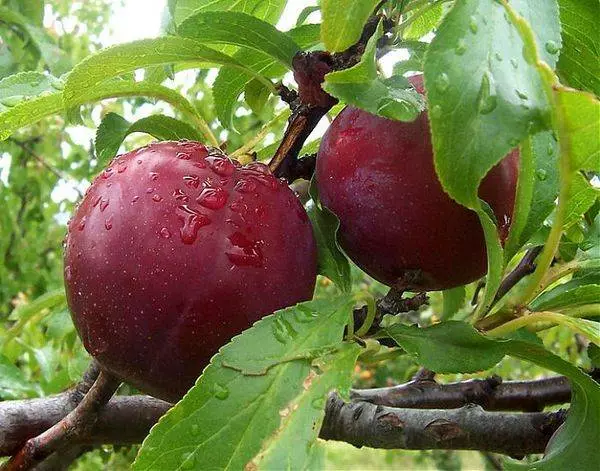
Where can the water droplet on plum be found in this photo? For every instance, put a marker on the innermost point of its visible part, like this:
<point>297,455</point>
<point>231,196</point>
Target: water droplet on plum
<point>212,198</point>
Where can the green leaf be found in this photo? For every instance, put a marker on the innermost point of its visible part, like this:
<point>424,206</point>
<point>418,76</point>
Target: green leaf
<point>579,63</point>
<point>292,446</point>
<point>581,116</point>
<point>332,261</point>
<point>343,22</point>
<point>267,10</point>
<point>222,422</point>
<point>256,95</point>
<point>239,29</point>
<point>30,111</point>
<point>449,347</point>
<point>537,189</point>
<point>26,85</point>
<point>483,95</point>
<point>362,87</point>
<point>454,299</point>
<point>118,60</point>
<point>23,313</point>
<point>54,57</point>
<point>593,352</point>
<point>582,195</point>
<point>579,290</point>
<point>230,82</point>
<point>425,22</point>
<point>12,382</point>
<point>305,13</point>
<point>114,129</point>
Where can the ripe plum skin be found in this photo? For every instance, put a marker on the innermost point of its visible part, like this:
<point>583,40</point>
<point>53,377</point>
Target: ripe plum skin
<point>396,221</point>
<point>174,250</point>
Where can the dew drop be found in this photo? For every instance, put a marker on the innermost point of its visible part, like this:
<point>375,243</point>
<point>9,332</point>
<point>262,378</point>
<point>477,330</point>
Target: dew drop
<point>192,221</point>
<point>157,198</point>
<point>12,100</point>
<point>180,196</point>
<point>57,84</point>
<point>244,252</point>
<point>103,204</point>
<point>192,181</point>
<point>550,149</point>
<point>149,190</point>
<point>81,225</point>
<point>108,223</point>
<point>96,201</point>
<point>318,403</point>
<point>107,173</point>
<point>153,176</point>
<point>164,233</point>
<point>221,165</point>
<point>283,330</point>
<point>514,63</point>
<point>541,174</point>
<point>245,186</point>
<point>139,161</point>
<point>305,314</point>
<point>436,111</point>
<point>212,198</point>
<point>461,47</point>
<point>498,57</point>
<point>134,199</point>
<point>551,47</point>
<point>195,429</point>
<point>121,167</point>
<point>442,82</point>
<point>521,95</point>
<point>68,274</point>
<point>473,25</point>
<point>183,155</point>
<point>187,461</point>
<point>487,99</point>
<point>220,392</point>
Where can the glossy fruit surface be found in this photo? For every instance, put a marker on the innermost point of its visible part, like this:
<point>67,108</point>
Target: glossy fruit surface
<point>397,223</point>
<point>174,250</point>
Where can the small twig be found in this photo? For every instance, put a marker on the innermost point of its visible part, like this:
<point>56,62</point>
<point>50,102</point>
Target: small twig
<point>424,375</point>
<point>76,424</point>
<point>525,267</point>
<point>311,102</point>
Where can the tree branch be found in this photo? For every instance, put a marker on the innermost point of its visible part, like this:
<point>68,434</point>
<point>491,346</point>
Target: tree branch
<point>525,267</point>
<point>127,420</point>
<point>491,394</point>
<point>76,424</point>
<point>467,428</point>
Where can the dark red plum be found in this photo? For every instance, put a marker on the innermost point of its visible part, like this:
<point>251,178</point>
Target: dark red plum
<point>174,250</point>
<point>397,222</point>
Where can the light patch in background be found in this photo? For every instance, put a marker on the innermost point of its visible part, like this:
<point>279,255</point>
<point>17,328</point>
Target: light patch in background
<point>135,19</point>
<point>5,162</point>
